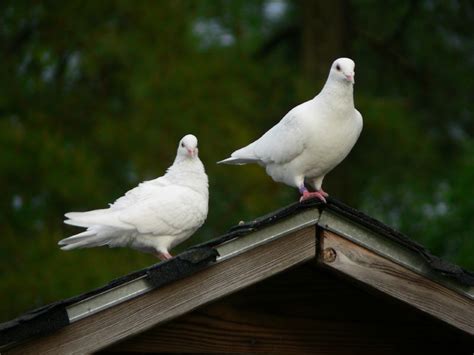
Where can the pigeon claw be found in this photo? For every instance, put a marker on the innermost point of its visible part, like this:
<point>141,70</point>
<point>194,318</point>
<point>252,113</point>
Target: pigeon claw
<point>324,193</point>
<point>317,194</point>
<point>164,256</point>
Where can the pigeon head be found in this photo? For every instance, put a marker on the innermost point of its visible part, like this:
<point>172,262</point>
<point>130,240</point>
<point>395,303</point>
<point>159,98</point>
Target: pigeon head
<point>188,146</point>
<point>343,70</point>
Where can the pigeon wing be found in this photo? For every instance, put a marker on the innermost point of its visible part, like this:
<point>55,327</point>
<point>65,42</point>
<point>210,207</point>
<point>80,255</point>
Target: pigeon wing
<point>170,211</point>
<point>144,189</point>
<point>280,145</point>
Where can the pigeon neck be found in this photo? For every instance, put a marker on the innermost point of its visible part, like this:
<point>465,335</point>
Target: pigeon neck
<point>185,162</point>
<point>342,92</point>
<point>187,171</point>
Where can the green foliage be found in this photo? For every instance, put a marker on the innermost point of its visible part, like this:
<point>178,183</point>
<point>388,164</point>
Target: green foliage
<point>96,95</point>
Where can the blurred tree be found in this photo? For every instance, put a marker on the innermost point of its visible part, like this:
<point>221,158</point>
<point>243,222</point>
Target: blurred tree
<point>96,95</point>
<point>325,33</point>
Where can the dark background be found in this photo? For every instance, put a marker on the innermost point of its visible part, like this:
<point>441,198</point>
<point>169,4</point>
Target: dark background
<point>94,97</point>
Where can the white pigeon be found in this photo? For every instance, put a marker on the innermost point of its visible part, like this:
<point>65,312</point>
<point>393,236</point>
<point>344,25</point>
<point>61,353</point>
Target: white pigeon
<point>153,217</point>
<point>312,138</point>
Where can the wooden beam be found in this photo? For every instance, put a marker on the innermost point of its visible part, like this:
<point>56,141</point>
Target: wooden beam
<point>137,315</point>
<point>395,280</point>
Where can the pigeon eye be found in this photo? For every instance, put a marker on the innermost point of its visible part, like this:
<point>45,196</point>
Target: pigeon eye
<point>338,67</point>
<point>182,144</point>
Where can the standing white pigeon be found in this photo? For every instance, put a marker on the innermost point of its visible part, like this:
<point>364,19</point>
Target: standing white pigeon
<point>154,216</point>
<point>312,138</point>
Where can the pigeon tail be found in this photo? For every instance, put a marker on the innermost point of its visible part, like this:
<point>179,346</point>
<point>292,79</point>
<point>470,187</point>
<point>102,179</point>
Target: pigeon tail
<point>85,239</point>
<point>87,243</point>
<point>92,237</point>
<point>77,237</point>
<point>238,161</point>
<point>106,217</point>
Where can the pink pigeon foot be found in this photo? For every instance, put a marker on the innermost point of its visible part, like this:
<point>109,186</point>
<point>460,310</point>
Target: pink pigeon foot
<point>164,256</point>
<point>318,194</point>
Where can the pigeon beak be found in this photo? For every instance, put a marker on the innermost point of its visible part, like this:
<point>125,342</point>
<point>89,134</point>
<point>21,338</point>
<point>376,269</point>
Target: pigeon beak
<point>192,152</point>
<point>350,77</point>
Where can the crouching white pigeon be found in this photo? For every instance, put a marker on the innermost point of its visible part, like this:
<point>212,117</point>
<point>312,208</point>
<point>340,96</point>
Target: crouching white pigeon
<point>154,216</point>
<point>312,138</point>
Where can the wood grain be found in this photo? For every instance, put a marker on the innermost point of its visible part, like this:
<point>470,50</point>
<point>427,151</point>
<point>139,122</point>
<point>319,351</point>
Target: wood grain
<point>139,314</point>
<point>306,309</point>
<point>398,282</point>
